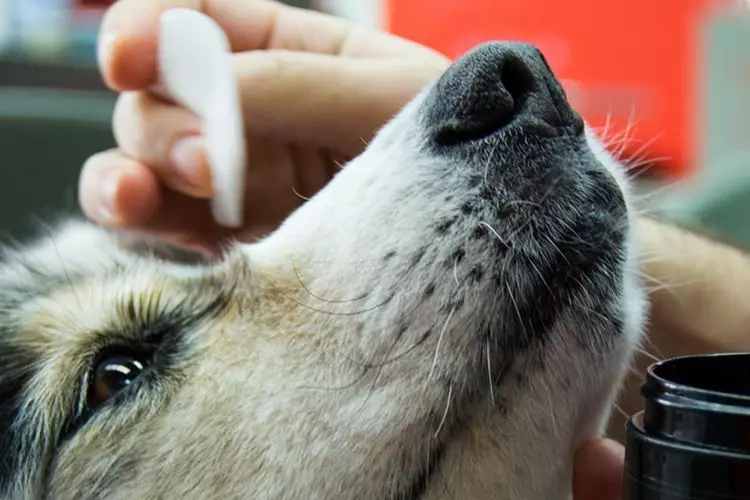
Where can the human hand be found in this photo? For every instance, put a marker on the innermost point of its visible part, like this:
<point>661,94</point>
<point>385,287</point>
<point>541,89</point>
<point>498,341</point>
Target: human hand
<point>597,471</point>
<point>313,89</point>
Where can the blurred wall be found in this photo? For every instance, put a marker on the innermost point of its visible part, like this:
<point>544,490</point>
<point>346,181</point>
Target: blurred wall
<point>52,117</point>
<point>54,114</point>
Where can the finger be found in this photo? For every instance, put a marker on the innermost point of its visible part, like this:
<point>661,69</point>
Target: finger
<point>165,137</point>
<point>598,471</point>
<point>120,192</point>
<point>129,33</point>
<point>117,191</point>
<point>313,169</point>
<point>331,102</point>
<point>189,222</point>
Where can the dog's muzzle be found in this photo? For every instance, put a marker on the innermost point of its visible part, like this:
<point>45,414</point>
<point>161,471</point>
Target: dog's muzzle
<point>494,87</point>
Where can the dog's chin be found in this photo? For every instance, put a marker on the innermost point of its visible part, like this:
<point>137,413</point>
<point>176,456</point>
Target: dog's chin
<point>448,318</point>
<point>498,251</point>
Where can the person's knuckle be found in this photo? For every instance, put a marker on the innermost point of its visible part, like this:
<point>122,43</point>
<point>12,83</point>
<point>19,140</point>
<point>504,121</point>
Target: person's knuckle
<point>260,71</point>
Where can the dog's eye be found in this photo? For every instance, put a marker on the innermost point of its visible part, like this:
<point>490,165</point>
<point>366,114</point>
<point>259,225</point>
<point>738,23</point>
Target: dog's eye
<point>112,375</point>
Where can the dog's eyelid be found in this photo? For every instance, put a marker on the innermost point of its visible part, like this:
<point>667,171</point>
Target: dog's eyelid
<point>144,331</point>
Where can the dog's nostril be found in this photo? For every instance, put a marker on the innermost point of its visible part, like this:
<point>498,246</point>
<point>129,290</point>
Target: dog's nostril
<point>495,96</point>
<point>491,87</point>
<point>517,80</point>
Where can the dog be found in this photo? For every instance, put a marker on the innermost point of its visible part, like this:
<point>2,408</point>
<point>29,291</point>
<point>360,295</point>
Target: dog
<point>449,318</point>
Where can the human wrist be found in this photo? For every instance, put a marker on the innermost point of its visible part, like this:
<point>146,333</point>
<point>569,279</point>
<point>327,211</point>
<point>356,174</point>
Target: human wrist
<point>697,285</point>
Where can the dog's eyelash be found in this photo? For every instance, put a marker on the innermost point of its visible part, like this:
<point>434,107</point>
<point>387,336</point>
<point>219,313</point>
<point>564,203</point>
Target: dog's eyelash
<point>144,311</point>
<point>147,329</point>
<point>147,317</point>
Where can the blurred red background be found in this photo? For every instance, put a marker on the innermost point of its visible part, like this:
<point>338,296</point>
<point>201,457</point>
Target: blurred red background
<point>631,66</point>
<point>96,4</point>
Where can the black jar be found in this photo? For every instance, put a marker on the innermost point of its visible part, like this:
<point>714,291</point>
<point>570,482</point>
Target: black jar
<point>692,441</point>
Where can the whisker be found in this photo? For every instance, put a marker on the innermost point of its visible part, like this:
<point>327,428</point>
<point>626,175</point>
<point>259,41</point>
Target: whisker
<point>336,313</point>
<point>330,301</point>
<point>439,342</point>
<point>489,161</point>
<point>324,311</point>
<point>445,413</point>
<point>493,231</point>
<point>622,412</point>
<point>647,354</point>
<point>489,374</point>
<point>552,414</point>
<point>455,271</point>
<point>541,277</point>
<point>62,264</point>
<point>556,248</point>
<point>518,312</point>
<point>299,195</point>
<point>646,145</point>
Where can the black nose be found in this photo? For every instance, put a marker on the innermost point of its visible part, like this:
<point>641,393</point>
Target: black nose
<point>492,87</point>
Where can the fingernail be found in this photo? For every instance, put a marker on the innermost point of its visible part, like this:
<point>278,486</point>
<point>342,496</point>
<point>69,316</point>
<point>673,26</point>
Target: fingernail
<point>104,51</point>
<point>191,163</point>
<point>106,205</point>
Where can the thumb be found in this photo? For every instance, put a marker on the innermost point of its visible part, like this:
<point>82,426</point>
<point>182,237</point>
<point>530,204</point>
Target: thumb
<point>598,471</point>
<point>329,101</point>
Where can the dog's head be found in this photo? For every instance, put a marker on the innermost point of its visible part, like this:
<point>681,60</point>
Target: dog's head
<point>448,318</point>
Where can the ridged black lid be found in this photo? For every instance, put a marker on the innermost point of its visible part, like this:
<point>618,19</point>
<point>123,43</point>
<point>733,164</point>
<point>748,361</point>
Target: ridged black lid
<point>692,441</point>
<point>702,400</point>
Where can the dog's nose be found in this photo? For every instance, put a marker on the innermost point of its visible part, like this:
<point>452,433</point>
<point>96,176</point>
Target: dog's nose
<point>494,86</point>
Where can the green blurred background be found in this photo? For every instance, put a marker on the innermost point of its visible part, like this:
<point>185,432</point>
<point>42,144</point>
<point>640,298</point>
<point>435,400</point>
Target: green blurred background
<point>54,113</point>
<point>52,117</point>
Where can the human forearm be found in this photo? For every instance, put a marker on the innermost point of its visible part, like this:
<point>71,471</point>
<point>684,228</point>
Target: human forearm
<point>698,290</point>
